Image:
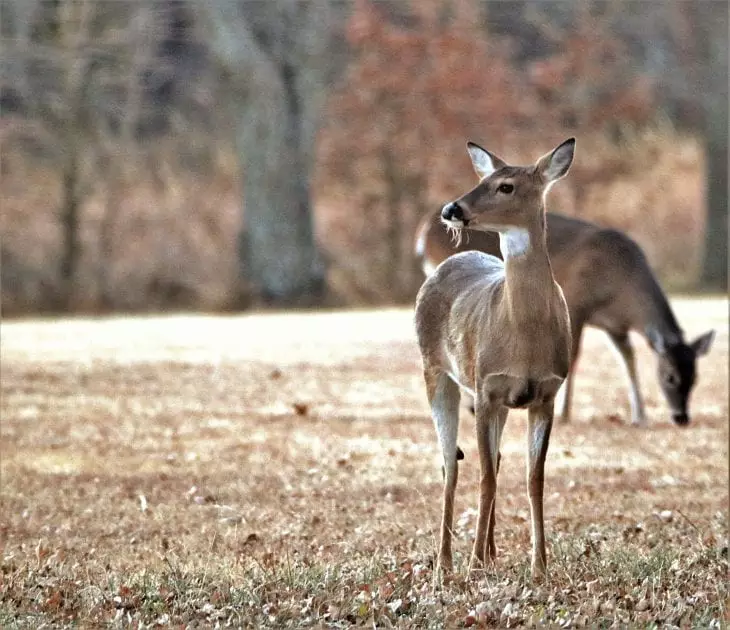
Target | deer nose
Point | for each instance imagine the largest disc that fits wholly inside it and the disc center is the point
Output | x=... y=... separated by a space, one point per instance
x=680 y=418
x=452 y=212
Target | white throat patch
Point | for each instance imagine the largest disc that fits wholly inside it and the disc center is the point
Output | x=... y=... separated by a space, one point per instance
x=514 y=242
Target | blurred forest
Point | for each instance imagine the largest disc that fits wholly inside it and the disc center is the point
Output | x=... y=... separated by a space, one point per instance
x=222 y=154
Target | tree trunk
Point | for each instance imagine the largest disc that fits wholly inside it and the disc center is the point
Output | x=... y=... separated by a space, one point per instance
x=71 y=248
x=394 y=232
x=277 y=247
x=715 y=263
x=282 y=58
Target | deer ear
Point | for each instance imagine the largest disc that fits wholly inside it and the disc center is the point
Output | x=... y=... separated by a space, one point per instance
x=484 y=162
x=556 y=163
x=702 y=344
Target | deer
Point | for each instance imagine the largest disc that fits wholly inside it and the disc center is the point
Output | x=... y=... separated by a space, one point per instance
x=498 y=329
x=608 y=284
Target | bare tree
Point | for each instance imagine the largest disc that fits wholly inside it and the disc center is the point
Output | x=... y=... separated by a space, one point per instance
x=121 y=145
x=281 y=57
x=53 y=71
x=54 y=90
x=713 y=23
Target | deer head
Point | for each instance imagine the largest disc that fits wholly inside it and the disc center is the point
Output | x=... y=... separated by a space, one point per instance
x=677 y=367
x=507 y=197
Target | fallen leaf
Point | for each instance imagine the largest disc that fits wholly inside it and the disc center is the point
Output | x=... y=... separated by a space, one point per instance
x=301 y=409
x=251 y=538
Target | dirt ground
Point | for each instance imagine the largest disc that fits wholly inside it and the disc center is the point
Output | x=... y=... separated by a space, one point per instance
x=281 y=470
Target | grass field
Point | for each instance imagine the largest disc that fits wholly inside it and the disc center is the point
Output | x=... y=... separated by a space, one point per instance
x=281 y=470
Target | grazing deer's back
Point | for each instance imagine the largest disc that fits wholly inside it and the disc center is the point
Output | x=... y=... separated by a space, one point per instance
x=603 y=273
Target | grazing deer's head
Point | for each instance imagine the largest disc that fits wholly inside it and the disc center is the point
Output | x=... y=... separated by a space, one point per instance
x=507 y=197
x=677 y=368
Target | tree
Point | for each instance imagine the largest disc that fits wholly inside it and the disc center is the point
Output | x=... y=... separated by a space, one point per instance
x=54 y=91
x=123 y=148
x=436 y=77
x=416 y=82
x=281 y=58
x=714 y=52
x=74 y=70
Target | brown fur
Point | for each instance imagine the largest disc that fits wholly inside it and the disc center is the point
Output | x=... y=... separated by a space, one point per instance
x=500 y=330
x=608 y=284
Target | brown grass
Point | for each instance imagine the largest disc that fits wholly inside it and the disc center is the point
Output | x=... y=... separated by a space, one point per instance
x=282 y=471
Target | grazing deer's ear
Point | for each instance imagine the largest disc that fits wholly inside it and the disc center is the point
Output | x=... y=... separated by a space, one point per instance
x=556 y=163
x=484 y=162
x=702 y=344
x=656 y=341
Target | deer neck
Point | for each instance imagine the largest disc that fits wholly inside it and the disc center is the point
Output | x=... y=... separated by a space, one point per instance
x=529 y=281
x=651 y=310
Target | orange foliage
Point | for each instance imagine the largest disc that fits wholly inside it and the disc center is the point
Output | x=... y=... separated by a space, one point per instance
x=418 y=88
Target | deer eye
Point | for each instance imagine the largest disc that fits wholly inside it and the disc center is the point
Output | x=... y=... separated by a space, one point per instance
x=507 y=189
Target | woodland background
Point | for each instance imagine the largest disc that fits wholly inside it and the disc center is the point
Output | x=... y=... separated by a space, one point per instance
x=164 y=154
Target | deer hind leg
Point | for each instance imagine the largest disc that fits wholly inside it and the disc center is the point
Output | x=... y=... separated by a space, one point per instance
x=625 y=350
x=565 y=395
x=490 y=422
x=540 y=420
x=443 y=396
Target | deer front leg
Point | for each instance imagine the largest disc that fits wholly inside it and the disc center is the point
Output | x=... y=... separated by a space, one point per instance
x=443 y=395
x=491 y=547
x=625 y=350
x=490 y=422
x=540 y=423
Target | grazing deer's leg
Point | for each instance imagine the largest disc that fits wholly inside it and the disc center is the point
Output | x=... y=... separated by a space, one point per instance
x=443 y=395
x=561 y=400
x=565 y=395
x=625 y=350
x=490 y=422
x=540 y=423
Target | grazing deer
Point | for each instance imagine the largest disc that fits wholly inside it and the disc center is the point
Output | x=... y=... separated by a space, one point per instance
x=608 y=284
x=500 y=331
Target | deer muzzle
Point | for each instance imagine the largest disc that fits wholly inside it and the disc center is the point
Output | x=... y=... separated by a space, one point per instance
x=453 y=213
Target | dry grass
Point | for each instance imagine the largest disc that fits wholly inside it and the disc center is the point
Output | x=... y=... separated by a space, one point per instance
x=281 y=471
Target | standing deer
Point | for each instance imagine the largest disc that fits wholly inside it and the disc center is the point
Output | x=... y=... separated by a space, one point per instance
x=608 y=284
x=500 y=330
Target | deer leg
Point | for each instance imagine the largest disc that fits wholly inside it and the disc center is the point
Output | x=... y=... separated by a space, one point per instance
x=565 y=395
x=490 y=422
x=539 y=425
x=443 y=395
x=491 y=547
x=622 y=344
